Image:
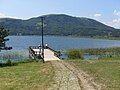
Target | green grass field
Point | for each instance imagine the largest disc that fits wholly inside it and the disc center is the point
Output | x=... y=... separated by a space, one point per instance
x=109 y=58
x=106 y=72
x=26 y=76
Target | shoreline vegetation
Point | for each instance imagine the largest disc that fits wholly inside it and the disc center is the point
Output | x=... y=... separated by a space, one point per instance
x=13 y=63
x=89 y=37
x=101 y=53
x=96 y=37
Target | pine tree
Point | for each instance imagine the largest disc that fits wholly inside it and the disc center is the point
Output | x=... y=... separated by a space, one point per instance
x=3 y=34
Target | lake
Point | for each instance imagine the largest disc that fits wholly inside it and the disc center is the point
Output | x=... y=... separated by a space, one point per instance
x=21 y=44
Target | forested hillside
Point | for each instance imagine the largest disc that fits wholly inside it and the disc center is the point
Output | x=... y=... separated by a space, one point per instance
x=59 y=24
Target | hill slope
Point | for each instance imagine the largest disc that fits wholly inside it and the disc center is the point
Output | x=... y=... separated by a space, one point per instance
x=59 y=24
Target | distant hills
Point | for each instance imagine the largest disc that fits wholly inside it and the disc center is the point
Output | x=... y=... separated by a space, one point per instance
x=59 y=24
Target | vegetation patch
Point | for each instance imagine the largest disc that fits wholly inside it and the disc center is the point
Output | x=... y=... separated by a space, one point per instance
x=27 y=76
x=13 y=63
x=106 y=72
x=74 y=54
x=102 y=51
x=11 y=56
x=109 y=57
x=8 y=63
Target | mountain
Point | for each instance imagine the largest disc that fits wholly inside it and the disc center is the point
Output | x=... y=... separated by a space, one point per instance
x=59 y=24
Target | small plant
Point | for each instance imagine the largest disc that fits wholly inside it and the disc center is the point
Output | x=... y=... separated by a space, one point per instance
x=74 y=54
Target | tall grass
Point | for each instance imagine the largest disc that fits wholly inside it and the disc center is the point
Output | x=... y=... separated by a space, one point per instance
x=13 y=55
x=101 y=51
x=10 y=56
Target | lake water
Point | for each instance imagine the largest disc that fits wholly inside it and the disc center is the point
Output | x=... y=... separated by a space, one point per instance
x=21 y=44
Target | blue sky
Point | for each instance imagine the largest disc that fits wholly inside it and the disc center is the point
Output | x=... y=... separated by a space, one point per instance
x=105 y=11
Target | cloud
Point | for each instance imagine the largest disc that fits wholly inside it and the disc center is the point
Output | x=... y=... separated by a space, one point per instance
x=117 y=13
x=97 y=15
x=6 y=16
x=2 y=15
x=115 y=23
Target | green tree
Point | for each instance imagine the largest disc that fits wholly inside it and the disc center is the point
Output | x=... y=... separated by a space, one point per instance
x=3 y=34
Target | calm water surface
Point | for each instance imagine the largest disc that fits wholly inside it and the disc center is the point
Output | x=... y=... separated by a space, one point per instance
x=21 y=44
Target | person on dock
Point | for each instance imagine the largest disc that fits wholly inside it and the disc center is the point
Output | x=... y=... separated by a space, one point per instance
x=46 y=46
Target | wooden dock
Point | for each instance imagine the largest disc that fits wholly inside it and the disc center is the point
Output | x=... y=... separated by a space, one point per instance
x=35 y=52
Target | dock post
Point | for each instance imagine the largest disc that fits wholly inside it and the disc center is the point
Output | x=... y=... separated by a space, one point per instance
x=42 y=39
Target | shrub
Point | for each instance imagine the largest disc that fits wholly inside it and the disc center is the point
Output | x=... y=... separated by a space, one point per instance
x=74 y=54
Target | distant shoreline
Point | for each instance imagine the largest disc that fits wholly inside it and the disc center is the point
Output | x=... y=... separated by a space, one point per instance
x=99 y=37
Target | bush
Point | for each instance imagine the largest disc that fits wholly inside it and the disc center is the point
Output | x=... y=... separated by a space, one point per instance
x=74 y=54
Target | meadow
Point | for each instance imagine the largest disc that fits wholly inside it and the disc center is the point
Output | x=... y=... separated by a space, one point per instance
x=26 y=76
x=105 y=72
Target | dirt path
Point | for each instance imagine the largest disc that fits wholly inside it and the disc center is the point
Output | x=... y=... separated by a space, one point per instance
x=67 y=77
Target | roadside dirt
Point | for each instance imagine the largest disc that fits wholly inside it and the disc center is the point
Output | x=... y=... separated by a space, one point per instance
x=68 y=77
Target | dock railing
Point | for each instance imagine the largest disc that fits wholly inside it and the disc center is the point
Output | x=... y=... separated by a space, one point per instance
x=56 y=53
x=35 y=55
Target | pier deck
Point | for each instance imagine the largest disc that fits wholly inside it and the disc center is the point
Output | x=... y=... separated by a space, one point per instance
x=49 y=54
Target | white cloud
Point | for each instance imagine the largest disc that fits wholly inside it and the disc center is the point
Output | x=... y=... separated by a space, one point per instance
x=97 y=15
x=6 y=16
x=115 y=23
x=117 y=13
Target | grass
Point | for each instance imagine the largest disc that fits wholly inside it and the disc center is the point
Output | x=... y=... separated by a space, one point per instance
x=109 y=58
x=27 y=76
x=106 y=72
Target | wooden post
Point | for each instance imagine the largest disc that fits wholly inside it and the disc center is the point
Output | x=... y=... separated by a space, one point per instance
x=42 y=39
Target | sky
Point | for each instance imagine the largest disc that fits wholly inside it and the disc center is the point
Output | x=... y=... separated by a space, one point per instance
x=105 y=11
